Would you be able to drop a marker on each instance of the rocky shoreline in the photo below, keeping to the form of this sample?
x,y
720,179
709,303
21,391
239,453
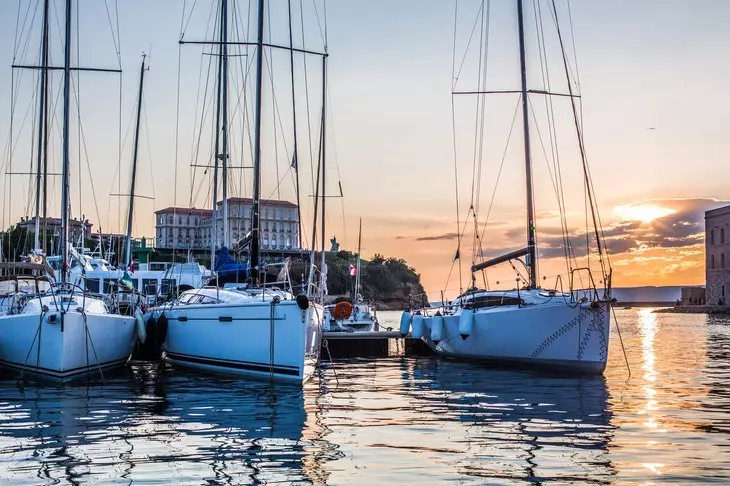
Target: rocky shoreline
x,y
695,309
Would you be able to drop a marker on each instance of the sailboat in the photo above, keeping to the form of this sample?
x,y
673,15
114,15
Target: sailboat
x,y
358,315
527,326
241,325
64,333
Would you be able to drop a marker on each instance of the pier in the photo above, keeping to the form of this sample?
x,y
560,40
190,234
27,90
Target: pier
x,y
377,344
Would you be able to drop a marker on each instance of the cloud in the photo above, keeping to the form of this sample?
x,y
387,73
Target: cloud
x,y
445,236
684,227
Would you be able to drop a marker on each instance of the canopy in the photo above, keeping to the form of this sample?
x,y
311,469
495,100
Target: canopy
x,y
228,269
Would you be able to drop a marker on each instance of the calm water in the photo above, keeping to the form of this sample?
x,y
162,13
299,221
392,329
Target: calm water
x,y
394,420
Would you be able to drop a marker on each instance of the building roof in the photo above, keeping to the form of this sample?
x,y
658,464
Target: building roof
x,y
267,202
184,211
53,221
717,212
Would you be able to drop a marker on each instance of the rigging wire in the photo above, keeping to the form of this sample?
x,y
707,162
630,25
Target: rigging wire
x,y
552,133
479,126
309,118
454,80
597,227
14,88
177,135
268,60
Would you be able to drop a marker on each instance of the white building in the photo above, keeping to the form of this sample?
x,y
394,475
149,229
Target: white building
x,y
181,228
192,228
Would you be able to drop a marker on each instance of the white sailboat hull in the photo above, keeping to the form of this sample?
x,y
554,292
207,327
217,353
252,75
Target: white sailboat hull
x,y
66,352
557,336
246,339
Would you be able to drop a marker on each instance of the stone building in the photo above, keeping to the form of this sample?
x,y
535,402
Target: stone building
x,y
77,227
191,228
693,296
181,228
717,255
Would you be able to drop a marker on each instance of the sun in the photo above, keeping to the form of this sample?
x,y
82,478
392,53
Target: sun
x,y
642,212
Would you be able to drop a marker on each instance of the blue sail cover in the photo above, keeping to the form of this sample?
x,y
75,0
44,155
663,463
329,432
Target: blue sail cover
x,y
229,269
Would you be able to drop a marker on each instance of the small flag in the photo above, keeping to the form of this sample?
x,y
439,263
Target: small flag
x,y
294,161
353,270
458,255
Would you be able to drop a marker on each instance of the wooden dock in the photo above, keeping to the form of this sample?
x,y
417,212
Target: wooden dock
x,y
376,344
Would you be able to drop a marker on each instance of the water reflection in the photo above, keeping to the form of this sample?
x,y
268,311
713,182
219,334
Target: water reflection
x,y
394,420
459,422
520,425
150,425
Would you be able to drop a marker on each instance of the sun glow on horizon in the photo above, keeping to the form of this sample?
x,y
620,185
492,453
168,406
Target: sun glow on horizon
x,y
642,212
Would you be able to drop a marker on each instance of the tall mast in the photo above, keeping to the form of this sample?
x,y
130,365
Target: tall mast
x,y
218,123
224,116
357,269
66,158
134,166
324,152
256,220
532,253
42,125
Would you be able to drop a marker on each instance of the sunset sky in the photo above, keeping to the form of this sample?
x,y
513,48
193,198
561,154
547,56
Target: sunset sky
x,y
656,114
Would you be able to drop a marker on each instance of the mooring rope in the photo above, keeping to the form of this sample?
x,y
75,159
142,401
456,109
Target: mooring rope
x,y
621,340
271,341
93,348
27,356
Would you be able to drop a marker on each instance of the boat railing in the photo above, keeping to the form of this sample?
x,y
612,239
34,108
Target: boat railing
x,y
314,291
587,288
283,278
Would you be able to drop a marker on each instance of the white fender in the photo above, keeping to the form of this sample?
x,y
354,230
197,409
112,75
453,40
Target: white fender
x,y
466,323
437,329
140,324
417,327
405,323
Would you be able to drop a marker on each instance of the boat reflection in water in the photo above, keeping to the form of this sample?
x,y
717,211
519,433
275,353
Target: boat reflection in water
x,y
188,429
519,425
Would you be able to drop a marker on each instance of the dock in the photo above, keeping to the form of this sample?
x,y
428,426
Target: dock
x,y
375,344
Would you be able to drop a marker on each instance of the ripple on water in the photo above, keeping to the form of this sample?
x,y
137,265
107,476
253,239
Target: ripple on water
x,y
393,420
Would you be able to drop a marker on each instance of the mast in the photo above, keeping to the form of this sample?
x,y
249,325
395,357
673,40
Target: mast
x,y
216,151
224,117
531,250
324,152
256,220
42,126
134,166
66,159
357,269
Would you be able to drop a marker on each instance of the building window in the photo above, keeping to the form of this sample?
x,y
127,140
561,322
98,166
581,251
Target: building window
x,y
722,236
712,262
722,260
712,237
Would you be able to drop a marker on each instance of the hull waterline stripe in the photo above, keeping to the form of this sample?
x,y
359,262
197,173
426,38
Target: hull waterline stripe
x,y
223,319
65,373
249,366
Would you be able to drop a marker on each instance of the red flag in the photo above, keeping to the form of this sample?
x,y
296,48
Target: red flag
x,y
353,270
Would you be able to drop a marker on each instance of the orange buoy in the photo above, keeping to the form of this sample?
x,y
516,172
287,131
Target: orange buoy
x,y
343,310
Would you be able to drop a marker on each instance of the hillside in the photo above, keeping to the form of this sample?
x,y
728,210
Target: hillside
x,y
390,282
